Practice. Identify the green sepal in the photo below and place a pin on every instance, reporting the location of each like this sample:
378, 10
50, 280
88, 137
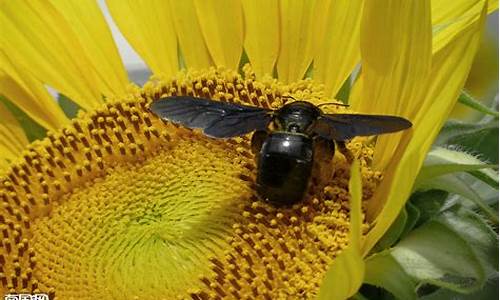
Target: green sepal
453, 131
393, 233
484, 241
479, 137
345, 91
436, 254
358, 296
382, 270
309, 72
429, 204
413, 217
452, 183
180, 58
487, 176
476, 231
69, 107
466, 99
243, 61
31, 128
488, 292
441, 161
485, 143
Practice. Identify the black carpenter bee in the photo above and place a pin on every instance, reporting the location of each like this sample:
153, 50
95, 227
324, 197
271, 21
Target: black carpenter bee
285, 154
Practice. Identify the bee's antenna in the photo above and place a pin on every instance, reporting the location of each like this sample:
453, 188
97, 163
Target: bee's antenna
338, 104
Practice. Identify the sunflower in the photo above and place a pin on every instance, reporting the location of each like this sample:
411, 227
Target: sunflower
117, 204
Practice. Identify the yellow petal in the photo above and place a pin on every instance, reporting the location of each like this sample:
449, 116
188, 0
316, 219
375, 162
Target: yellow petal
450, 67
396, 59
393, 192
222, 26
90, 27
451, 17
396, 55
296, 40
356, 91
30, 95
262, 34
148, 27
191, 41
338, 52
319, 24
4, 165
36, 35
345, 275
355, 190
492, 6
12, 138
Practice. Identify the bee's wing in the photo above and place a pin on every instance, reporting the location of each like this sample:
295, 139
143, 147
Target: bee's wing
341, 127
217, 119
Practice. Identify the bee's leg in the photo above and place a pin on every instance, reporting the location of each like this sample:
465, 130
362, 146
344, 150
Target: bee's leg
346, 152
258, 139
323, 167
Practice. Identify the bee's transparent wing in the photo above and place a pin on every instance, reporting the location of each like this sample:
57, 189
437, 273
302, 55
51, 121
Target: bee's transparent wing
217, 119
342, 127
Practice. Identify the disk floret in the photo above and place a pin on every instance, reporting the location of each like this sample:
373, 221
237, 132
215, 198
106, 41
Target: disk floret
124, 204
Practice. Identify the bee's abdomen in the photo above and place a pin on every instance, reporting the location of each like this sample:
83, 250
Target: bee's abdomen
284, 167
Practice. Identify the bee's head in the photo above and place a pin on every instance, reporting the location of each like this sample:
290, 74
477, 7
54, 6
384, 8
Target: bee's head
297, 116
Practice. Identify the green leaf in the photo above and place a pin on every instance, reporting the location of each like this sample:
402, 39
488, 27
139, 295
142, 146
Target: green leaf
452, 183
32, 129
382, 270
441, 161
69, 107
453, 131
435, 254
393, 233
467, 99
429, 203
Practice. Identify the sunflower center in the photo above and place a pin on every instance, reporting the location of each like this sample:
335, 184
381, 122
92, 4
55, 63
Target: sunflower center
151, 226
127, 205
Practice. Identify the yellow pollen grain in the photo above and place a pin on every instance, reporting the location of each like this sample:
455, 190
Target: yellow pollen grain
123, 205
